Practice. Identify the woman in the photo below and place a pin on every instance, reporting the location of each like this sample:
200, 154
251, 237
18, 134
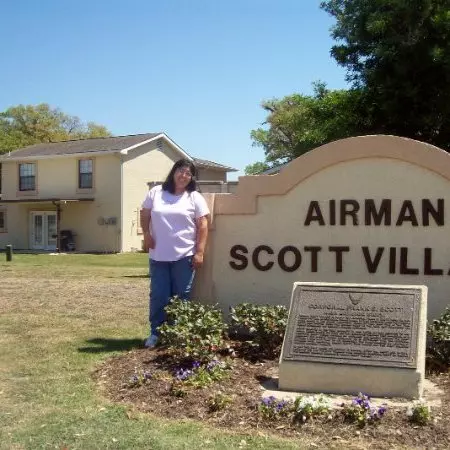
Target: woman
174, 220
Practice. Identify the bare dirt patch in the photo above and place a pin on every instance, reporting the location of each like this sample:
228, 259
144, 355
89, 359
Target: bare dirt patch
243, 385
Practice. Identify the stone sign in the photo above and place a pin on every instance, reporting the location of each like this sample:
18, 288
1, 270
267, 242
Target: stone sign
367, 210
347, 338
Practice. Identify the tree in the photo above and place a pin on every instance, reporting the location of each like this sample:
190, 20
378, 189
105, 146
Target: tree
26, 125
397, 56
256, 168
398, 52
298, 123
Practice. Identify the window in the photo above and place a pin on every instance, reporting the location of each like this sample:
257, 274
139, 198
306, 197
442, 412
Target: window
2, 221
27, 177
85, 173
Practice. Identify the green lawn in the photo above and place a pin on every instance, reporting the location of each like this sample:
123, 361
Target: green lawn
60, 316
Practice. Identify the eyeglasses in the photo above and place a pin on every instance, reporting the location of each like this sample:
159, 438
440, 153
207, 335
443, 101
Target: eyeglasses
186, 173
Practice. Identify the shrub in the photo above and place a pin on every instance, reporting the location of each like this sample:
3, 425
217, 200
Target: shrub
271, 409
307, 407
177, 391
218, 402
438, 343
265, 324
193, 330
419, 413
362, 411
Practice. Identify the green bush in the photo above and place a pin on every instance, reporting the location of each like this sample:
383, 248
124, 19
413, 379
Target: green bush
193, 330
438, 343
265, 324
219, 401
419, 413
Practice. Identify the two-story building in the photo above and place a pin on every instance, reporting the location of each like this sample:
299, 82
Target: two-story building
91, 189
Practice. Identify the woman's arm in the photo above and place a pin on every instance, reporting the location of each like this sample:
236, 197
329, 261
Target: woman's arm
145, 225
201, 238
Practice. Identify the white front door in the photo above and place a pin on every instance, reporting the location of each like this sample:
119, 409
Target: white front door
43, 230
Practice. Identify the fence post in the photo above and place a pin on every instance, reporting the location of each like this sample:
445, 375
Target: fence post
9, 252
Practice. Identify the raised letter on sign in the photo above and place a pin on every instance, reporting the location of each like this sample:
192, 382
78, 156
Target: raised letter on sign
234, 253
314, 251
297, 258
372, 266
255, 258
392, 259
407, 214
314, 213
427, 268
371, 212
352, 212
339, 251
428, 209
404, 269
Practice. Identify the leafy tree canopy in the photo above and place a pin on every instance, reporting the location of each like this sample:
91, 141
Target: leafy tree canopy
398, 51
24, 125
298, 123
397, 56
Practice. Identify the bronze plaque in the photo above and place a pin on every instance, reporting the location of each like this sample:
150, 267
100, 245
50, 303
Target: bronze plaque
353, 325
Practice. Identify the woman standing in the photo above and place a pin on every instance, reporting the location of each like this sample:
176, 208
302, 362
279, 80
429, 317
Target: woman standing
175, 225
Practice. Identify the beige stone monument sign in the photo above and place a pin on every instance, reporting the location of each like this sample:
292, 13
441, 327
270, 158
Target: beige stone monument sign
369, 210
350, 338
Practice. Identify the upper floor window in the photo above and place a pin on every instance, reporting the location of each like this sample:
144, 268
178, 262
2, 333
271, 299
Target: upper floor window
27, 177
85, 173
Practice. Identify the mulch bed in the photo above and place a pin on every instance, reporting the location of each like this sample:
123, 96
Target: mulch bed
244, 386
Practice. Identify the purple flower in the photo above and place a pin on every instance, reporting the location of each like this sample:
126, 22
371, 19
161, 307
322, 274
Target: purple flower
281, 405
212, 364
134, 379
196, 365
381, 410
147, 375
268, 401
183, 374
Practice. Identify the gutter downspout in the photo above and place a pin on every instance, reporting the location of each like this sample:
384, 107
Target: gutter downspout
120, 249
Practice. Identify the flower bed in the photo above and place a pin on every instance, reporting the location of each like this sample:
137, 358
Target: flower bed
153, 382
201, 374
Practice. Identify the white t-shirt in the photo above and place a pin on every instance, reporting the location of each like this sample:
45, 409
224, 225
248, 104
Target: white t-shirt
173, 222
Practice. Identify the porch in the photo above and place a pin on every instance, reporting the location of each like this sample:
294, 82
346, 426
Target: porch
39, 225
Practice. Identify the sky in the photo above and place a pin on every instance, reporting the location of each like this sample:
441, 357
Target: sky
197, 70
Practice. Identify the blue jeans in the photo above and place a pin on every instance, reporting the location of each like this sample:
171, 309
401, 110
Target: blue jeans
168, 278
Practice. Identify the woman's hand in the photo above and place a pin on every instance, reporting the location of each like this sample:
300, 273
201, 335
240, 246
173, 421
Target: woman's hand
149, 242
197, 260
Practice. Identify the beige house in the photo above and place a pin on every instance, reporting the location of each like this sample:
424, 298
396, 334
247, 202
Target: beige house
90, 189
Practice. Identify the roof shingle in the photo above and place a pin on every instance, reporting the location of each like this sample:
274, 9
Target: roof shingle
98, 145
116, 143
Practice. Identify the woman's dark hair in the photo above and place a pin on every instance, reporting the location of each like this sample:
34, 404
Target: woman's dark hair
169, 184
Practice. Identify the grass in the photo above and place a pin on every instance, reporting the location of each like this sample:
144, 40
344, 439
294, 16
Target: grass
60, 316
